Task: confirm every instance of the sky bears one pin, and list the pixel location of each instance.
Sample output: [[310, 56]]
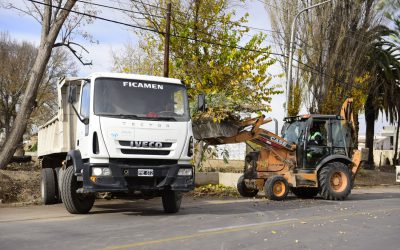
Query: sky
[[112, 37]]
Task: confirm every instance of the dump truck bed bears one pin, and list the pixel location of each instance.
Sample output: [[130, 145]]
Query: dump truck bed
[[58, 134]]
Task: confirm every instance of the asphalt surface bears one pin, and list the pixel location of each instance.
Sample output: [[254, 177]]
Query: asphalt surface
[[368, 219]]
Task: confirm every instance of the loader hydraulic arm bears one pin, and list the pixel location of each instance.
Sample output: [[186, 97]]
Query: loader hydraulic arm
[[249, 130], [347, 113]]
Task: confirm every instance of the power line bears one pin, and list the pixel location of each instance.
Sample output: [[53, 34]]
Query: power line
[[95, 17], [152, 30], [151, 5], [116, 8], [178, 36], [270, 5], [210, 19]]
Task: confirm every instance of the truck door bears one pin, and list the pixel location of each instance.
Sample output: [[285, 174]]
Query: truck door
[[83, 135]]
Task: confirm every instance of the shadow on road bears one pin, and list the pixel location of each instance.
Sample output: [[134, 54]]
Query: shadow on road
[[223, 206], [373, 196]]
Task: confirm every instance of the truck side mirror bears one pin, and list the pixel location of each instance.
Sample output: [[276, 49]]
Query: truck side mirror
[[85, 121], [201, 102], [72, 94]]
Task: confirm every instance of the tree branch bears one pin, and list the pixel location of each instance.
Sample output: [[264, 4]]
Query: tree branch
[[68, 45]]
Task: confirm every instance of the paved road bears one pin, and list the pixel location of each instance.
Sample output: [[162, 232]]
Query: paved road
[[368, 219]]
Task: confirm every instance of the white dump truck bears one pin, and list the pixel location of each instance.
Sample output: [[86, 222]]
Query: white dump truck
[[121, 134]]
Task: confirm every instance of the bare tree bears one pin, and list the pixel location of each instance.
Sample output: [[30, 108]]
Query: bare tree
[[17, 60], [52, 16], [330, 42]]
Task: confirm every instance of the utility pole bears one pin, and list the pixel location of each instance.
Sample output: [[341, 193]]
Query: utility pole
[[291, 49], [166, 44]]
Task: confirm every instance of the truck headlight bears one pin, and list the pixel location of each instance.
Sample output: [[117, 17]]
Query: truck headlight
[[191, 146], [185, 172], [96, 171]]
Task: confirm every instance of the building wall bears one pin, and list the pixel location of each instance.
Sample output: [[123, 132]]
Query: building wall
[[383, 157], [236, 151]]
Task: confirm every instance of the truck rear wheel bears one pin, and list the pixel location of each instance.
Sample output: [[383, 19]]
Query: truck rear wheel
[[334, 181], [48, 186], [303, 192], [74, 202], [171, 201], [276, 188], [243, 190]]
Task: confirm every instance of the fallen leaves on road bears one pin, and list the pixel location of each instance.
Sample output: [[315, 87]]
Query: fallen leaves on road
[[215, 191]]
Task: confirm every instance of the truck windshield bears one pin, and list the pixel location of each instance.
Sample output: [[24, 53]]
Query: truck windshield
[[127, 98], [291, 132]]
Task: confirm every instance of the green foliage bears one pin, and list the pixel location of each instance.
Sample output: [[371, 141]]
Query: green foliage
[[213, 153], [33, 148], [234, 80]]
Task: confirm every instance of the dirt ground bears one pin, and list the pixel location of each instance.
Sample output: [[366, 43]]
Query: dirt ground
[[20, 183]]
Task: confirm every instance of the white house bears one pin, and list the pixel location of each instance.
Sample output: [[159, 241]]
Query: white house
[[384, 145]]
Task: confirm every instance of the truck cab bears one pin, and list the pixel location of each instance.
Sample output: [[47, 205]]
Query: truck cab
[[129, 135]]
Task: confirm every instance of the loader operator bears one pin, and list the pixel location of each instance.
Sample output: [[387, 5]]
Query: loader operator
[[316, 138]]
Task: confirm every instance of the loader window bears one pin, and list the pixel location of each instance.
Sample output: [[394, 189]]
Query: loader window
[[341, 137], [292, 132], [317, 142]]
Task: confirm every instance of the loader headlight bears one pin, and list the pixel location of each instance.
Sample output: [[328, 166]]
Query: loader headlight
[[185, 172], [96, 171]]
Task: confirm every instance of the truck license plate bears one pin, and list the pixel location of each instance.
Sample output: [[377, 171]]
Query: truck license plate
[[146, 172]]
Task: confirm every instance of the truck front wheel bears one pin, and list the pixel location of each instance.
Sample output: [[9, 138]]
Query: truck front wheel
[[74, 202], [171, 201]]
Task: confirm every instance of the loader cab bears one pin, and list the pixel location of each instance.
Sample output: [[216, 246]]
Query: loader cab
[[317, 137]]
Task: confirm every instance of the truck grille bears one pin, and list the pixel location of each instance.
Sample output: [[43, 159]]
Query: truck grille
[[144, 152], [143, 162], [132, 143]]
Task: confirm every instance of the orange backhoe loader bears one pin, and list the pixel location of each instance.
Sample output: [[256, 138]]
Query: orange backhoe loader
[[315, 154]]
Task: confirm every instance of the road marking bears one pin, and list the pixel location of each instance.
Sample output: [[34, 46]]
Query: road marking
[[215, 231], [58, 218], [219, 202], [199, 234], [253, 225]]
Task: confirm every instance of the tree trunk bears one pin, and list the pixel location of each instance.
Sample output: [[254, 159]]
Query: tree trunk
[[199, 155], [396, 146], [370, 130], [49, 34]]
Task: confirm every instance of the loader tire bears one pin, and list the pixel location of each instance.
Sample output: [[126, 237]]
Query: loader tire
[[305, 193], [48, 186], [334, 181], [74, 202], [276, 188], [171, 201], [243, 190]]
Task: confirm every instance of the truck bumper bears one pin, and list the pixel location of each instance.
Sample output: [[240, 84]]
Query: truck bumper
[[125, 178]]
